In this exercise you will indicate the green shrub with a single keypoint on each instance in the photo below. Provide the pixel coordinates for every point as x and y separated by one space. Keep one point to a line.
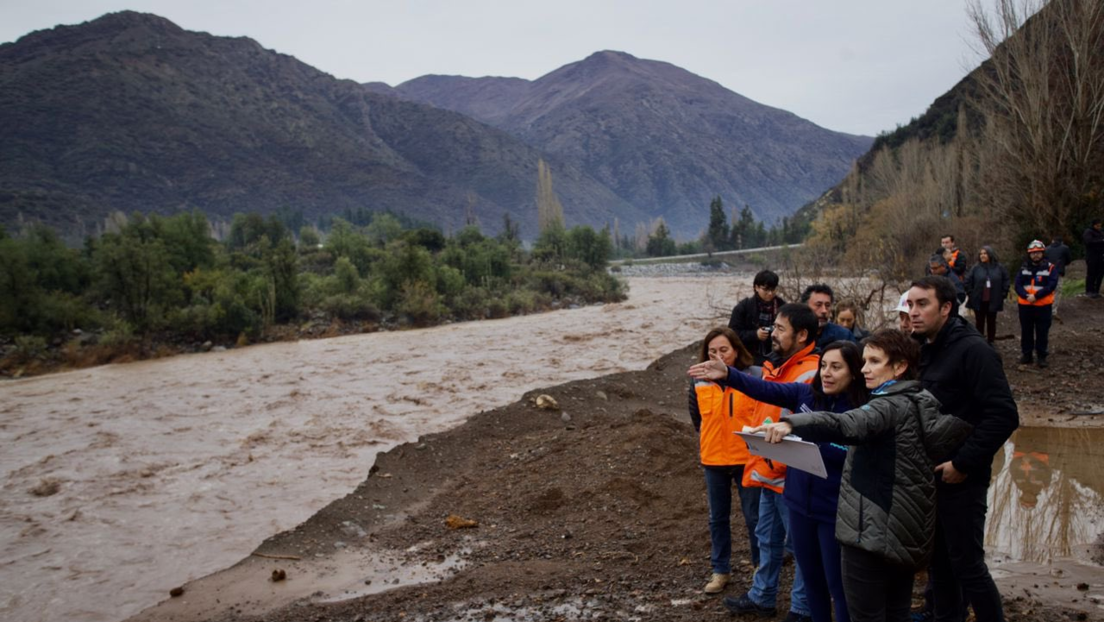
28 347
350 307
418 304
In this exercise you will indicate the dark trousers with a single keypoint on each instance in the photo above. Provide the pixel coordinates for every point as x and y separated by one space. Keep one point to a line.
877 590
1034 329
818 556
986 321
1094 274
718 487
958 565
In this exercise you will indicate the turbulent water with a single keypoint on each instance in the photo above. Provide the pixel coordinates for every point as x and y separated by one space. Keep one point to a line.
124 481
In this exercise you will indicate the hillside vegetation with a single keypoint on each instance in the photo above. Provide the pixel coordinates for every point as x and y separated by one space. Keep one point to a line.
1014 152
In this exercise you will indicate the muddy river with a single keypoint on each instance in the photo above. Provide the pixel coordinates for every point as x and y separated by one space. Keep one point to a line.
124 481
121 482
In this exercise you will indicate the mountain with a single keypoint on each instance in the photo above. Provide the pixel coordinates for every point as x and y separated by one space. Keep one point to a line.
661 137
130 112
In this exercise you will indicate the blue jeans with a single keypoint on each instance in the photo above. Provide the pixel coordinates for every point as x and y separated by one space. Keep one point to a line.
771 531
718 486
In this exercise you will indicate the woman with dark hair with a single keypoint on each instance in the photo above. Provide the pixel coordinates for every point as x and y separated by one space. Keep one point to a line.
987 286
810 500
886 516
718 410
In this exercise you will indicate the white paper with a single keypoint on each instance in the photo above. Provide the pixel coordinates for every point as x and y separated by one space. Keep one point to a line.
792 451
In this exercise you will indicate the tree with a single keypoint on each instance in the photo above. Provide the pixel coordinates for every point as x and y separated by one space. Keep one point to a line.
549 209
589 246
1042 97
134 272
743 230
717 234
660 243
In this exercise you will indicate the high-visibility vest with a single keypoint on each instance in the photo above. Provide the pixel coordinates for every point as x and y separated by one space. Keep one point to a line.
801 367
723 410
1038 276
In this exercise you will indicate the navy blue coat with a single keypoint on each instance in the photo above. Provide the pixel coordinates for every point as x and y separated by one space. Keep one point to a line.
805 493
833 332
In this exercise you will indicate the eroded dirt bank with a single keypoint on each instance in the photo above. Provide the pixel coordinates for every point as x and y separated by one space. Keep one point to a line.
599 513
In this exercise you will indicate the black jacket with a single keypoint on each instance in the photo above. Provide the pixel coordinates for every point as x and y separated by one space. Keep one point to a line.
745 321
887 491
965 374
1094 245
997 275
1059 254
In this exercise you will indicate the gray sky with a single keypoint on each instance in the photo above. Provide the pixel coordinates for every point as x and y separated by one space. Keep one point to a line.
860 66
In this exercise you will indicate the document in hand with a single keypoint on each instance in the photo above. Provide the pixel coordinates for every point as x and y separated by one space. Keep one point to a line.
794 453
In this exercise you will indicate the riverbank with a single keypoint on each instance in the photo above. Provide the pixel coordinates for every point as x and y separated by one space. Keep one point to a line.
592 509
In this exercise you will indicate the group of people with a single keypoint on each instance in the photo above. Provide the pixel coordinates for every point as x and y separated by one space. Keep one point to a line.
986 285
907 424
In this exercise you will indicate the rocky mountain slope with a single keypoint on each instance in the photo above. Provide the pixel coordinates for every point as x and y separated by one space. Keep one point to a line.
130 112
661 137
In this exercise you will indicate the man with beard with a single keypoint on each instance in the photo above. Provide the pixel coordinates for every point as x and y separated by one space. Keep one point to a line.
792 342
819 298
966 376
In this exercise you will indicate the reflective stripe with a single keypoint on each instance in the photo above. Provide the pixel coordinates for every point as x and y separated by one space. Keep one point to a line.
776 482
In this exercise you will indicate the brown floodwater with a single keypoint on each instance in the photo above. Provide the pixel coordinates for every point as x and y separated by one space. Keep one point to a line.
1046 515
120 482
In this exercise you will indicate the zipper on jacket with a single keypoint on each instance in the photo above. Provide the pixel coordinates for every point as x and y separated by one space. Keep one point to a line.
731 397
858 536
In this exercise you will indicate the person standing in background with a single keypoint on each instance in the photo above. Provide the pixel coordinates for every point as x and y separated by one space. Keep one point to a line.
1060 256
957 260
849 316
820 298
987 286
1094 258
753 317
1035 285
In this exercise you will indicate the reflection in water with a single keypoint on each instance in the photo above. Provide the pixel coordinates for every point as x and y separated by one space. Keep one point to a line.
1046 501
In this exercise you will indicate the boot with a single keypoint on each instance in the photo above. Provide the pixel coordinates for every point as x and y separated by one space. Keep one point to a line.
717 583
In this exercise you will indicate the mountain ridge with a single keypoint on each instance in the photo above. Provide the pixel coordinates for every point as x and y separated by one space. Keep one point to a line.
660 136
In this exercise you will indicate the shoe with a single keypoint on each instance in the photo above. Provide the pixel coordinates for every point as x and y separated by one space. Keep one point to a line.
1043 362
1025 359
745 604
717 583
793 616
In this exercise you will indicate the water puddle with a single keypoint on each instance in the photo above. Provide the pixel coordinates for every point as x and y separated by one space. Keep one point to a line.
1046 515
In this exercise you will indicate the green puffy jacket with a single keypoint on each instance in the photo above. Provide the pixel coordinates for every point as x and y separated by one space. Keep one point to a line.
887 495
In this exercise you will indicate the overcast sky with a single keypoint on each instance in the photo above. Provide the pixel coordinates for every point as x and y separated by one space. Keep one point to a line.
860 66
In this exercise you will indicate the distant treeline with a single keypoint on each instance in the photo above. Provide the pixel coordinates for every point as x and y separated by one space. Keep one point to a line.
744 232
170 277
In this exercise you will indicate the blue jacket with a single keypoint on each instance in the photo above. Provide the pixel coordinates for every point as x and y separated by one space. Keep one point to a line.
832 332
804 493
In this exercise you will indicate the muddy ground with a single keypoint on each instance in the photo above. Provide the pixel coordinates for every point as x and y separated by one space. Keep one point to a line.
594 510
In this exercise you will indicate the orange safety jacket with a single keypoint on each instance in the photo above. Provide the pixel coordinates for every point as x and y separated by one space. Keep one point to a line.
801 367
723 410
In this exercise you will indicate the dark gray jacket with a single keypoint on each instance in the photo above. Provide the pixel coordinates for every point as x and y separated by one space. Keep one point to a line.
887 495
994 273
